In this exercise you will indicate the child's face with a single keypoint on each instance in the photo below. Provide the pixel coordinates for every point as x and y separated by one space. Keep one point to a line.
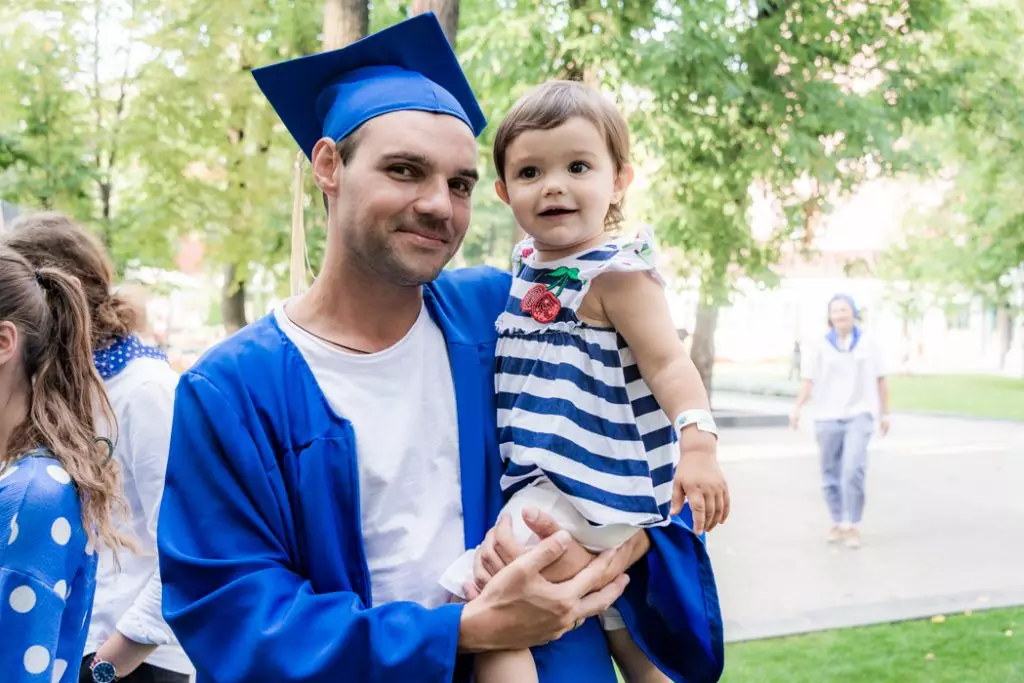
560 183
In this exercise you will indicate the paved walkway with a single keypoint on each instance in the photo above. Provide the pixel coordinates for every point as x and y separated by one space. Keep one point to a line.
943 531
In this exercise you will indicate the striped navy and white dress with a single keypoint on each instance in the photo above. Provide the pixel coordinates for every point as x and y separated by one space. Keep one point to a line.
573 409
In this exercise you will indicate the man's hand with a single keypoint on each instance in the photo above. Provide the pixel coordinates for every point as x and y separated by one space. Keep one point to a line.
519 608
500 548
883 425
699 479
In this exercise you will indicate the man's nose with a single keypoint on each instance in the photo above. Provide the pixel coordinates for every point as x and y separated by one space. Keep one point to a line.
435 200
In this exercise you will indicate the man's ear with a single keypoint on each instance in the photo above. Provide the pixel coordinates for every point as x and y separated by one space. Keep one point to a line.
502 191
326 162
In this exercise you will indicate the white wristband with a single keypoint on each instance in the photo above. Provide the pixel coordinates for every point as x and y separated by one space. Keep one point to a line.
696 416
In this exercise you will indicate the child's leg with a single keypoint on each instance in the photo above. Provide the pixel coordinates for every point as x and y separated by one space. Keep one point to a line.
632 661
505 666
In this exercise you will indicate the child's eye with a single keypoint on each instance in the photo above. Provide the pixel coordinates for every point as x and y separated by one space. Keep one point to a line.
579 167
529 172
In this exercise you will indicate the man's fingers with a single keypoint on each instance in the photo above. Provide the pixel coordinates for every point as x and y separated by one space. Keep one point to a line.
540 522
618 562
544 553
599 601
595 575
484 560
678 498
505 545
489 559
471 591
481 569
698 509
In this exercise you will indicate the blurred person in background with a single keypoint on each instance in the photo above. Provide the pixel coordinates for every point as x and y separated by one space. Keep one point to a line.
60 494
128 637
844 373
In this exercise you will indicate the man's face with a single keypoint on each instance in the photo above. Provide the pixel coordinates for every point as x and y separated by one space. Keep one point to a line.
403 203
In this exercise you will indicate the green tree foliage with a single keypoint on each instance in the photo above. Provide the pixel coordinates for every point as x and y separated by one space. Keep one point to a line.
802 100
224 166
974 239
41 119
807 99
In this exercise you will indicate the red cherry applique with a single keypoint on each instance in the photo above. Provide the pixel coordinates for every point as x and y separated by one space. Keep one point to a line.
546 308
541 302
531 297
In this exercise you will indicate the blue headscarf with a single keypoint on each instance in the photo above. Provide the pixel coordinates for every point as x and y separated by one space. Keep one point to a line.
116 357
833 336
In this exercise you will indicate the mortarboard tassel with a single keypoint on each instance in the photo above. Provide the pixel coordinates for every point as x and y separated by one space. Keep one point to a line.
298 259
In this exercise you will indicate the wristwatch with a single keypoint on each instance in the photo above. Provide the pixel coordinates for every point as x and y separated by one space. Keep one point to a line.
102 672
701 418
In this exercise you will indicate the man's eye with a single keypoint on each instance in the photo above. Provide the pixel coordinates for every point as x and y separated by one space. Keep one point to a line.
403 171
529 172
461 186
579 167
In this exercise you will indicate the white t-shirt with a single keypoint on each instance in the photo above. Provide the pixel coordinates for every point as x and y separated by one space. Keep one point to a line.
142 398
401 403
845 382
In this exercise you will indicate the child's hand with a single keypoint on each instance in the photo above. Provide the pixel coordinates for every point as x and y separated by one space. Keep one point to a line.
700 480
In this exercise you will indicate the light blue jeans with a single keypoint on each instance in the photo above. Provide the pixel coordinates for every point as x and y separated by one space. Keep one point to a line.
844 463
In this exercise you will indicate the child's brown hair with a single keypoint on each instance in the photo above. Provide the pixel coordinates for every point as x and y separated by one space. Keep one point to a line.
50 312
551 104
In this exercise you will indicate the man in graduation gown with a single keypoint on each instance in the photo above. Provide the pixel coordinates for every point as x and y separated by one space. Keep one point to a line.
330 460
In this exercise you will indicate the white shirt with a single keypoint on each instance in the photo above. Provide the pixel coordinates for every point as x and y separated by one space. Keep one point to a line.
845 382
142 396
401 404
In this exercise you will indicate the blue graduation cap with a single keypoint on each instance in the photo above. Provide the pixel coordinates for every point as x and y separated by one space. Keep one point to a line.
407 66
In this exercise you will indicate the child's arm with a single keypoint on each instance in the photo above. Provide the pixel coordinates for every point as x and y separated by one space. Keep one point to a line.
635 304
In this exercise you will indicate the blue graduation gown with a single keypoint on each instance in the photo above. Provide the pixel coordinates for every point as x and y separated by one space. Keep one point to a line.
264 575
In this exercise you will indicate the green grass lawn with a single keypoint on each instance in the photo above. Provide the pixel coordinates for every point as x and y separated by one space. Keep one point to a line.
983 647
976 395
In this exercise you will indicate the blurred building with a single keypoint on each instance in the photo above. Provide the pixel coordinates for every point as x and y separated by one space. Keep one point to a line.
7 213
763 324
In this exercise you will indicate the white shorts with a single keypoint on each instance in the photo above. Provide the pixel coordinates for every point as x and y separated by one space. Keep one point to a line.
544 496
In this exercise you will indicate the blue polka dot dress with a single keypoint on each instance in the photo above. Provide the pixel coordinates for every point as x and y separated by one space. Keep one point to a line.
47 573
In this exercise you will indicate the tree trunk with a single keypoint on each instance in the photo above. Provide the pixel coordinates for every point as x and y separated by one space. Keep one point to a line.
1004 333
702 349
573 70
106 191
232 302
345 21
447 12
